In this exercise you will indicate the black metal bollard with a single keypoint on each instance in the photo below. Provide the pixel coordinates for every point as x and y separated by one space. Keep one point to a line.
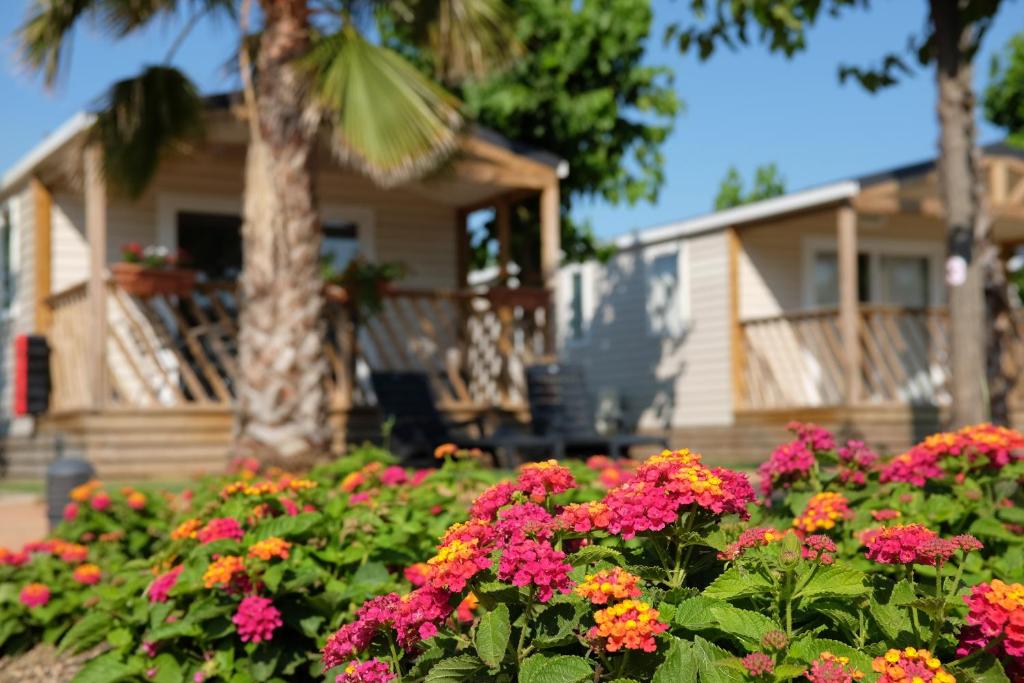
62 475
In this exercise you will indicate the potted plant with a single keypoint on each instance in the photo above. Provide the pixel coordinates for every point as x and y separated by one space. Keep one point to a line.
152 270
362 284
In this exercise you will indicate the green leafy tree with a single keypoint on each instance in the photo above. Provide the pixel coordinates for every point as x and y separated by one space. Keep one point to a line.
1004 96
308 67
948 44
581 89
768 183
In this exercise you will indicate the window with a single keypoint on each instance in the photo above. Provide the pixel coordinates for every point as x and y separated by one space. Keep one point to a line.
905 281
576 324
666 301
6 260
890 272
826 278
340 244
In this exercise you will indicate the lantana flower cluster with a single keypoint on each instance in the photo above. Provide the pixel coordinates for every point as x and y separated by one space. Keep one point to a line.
794 461
978 447
830 668
910 664
823 512
856 460
996 612
608 585
914 544
612 472
629 625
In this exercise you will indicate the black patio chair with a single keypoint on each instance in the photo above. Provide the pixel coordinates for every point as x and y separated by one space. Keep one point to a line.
419 427
561 408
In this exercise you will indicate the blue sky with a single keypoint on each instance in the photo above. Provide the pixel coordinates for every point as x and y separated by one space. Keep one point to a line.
743 108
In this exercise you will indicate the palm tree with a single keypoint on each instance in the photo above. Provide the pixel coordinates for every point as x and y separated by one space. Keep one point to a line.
310 72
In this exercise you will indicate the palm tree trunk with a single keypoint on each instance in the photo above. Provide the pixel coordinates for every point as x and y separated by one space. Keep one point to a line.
282 370
968 226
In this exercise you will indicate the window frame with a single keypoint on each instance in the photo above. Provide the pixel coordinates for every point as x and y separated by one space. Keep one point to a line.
9 299
683 273
587 272
875 248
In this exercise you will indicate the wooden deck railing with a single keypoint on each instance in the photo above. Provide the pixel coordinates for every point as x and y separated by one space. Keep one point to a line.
174 351
796 359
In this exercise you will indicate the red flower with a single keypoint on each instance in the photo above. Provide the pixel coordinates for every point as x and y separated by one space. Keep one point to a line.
256 619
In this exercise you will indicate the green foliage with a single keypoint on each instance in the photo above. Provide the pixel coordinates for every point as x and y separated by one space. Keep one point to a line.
768 183
581 89
782 27
1003 99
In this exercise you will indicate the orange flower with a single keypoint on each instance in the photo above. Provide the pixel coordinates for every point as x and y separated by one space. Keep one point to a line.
630 624
84 492
822 512
87 574
269 548
910 664
609 584
187 529
222 570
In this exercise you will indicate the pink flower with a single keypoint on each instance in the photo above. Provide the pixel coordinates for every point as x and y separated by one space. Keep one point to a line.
488 503
855 461
162 585
418 614
70 512
34 595
288 505
758 664
900 544
416 574
750 538
996 609
517 522
789 463
351 639
100 502
637 507
817 438
220 527
256 619
370 671
537 564
538 480
828 668
359 498
393 476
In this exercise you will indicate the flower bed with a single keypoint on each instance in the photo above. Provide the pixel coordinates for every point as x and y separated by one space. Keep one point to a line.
847 567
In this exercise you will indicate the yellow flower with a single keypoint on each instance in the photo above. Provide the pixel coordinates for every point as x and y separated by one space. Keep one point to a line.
270 548
222 570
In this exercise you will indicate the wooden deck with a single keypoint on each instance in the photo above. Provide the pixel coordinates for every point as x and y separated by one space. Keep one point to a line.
167 409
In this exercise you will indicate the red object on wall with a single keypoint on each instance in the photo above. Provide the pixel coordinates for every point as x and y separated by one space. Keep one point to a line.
31 374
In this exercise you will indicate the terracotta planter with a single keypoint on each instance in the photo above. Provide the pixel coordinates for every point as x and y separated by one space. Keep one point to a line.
142 281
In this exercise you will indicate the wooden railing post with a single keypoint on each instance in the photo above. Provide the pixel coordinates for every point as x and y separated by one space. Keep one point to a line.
550 250
849 313
739 360
96 235
42 209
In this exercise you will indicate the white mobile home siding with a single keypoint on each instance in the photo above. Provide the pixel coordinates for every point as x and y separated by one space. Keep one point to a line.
662 379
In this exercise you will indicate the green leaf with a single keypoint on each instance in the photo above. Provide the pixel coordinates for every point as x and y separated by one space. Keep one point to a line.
746 625
714 663
736 583
106 668
984 669
492 635
592 554
694 614
87 631
167 669
560 669
454 669
285 527
785 672
833 581
989 527
678 666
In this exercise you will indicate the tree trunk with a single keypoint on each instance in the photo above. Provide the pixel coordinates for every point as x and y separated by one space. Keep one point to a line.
282 401
971 258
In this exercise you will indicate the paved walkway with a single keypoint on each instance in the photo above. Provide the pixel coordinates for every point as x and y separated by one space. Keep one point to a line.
22 519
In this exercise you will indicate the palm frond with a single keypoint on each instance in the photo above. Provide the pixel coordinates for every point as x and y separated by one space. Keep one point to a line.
388 120
141 120
45 35
467 38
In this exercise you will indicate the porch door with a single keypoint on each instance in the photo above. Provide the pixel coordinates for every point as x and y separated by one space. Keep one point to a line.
212 243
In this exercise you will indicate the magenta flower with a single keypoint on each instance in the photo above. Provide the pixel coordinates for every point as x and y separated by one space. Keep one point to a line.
220 527
538 564
256 619
162 585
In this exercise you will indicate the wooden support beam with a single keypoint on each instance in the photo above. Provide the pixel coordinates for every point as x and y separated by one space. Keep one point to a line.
503 218
550 235
461 248
42 210
739 361
550 255
96 235
849 305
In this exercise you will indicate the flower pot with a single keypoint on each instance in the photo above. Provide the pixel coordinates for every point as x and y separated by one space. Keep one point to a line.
142 281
